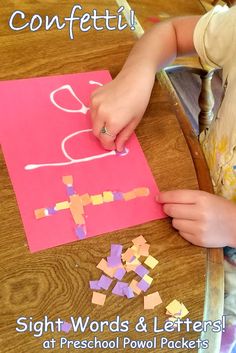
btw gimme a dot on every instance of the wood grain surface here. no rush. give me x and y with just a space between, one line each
55 282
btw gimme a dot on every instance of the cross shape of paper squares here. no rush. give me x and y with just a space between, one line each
48 144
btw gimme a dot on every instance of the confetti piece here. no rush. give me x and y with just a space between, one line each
129 195
98 298
96 199
104 267
40 213
177 309
104 282
77 210
141 271
81 231
128 292
119 274
66 327
151 262
85 198
62 206
116 250
118 196
134 287
70 190
135 249
108 196
51 210
67 180
139 192
143 285
184 311
152 300
94 285
148 279
144 250
174 307
128 255
131 266
139 240
113 261
119 288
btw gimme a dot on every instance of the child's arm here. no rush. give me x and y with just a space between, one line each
120 104
201 218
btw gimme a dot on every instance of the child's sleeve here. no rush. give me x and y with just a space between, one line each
214 36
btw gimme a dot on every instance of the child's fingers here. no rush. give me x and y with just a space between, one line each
181 211
106 138
124 135
183 225
178 196
189 237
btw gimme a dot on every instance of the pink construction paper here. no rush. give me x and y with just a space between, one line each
31 131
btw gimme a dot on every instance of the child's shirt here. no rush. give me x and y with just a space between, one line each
215 42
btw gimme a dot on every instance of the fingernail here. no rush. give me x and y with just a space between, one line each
120 148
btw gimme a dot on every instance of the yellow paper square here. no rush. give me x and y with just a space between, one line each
184 311
108 196
148 279
151 261
174 307
62 206
96 199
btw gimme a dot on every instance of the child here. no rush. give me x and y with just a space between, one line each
117 108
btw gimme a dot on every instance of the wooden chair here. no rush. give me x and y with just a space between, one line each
206 99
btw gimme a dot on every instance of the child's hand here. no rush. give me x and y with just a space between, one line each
201 218
119 106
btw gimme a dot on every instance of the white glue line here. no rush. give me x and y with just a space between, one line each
70 159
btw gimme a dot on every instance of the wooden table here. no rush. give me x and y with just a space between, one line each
55 282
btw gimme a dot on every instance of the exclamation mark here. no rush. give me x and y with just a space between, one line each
223 323
132 20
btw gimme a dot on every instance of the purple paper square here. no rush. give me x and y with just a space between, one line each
118 196
80 232
118 290
51 210
143 285
128 292
104 282
119 274
66 327
70 190
116 250
114 261
122 284
141 271
94 285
